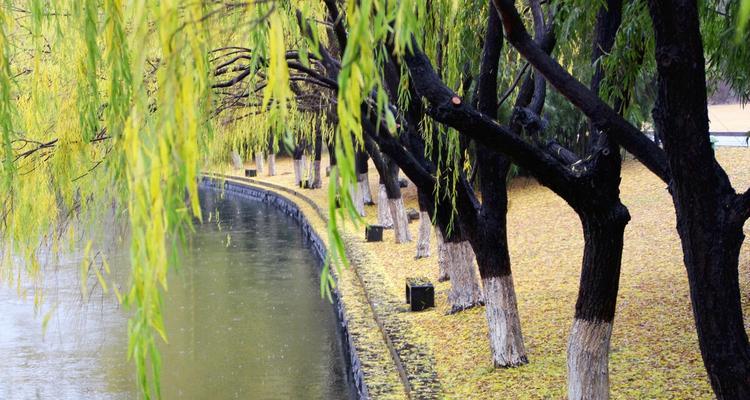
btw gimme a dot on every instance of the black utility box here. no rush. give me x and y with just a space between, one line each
251 173
420 293
374 233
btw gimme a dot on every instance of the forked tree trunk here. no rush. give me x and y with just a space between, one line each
259 162
423 238
465 290
384 213
400 220
442 257
588 345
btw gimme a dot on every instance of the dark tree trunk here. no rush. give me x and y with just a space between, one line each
297 160
331 155
317 180
588 346
486 224
704 200
608 21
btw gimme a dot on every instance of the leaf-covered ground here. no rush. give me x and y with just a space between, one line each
654 351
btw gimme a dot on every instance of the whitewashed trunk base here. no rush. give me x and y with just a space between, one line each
384 213
272 165
423 239
303 168
317 181
442 258
364 181
259 162
465 290
297 172
501 309
237 160
588 359
359 202
400 220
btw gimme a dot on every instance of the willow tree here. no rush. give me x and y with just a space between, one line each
112 102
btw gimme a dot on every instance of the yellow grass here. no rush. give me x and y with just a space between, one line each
654 351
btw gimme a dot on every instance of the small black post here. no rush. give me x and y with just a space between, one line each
420 293
374 233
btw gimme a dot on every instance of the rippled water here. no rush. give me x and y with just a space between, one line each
245 321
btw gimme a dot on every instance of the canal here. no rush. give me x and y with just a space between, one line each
243 313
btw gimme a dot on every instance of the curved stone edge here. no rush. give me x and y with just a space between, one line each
413 360
374 377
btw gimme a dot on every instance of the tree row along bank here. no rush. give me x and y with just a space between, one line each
655 351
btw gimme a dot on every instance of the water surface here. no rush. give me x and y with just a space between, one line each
244 317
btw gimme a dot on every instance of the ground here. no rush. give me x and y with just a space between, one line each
654 350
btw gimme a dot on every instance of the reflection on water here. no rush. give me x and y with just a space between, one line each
245 321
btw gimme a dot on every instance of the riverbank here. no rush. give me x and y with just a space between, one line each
654 346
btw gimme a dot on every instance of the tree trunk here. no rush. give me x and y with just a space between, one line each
588 345
425 227
362 176
317 181
465 290
384 213
259 162
708 219
501 310
297 172
298 156
237 160
400 220
359 201
271 164
365 187
423 239
442 257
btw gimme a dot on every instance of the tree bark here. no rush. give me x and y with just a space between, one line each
442 257
425 227
363 177
501 310
465 291
384 213
317 180
588 345
237 160
259 161
709 218
400 220
298 163
271 164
